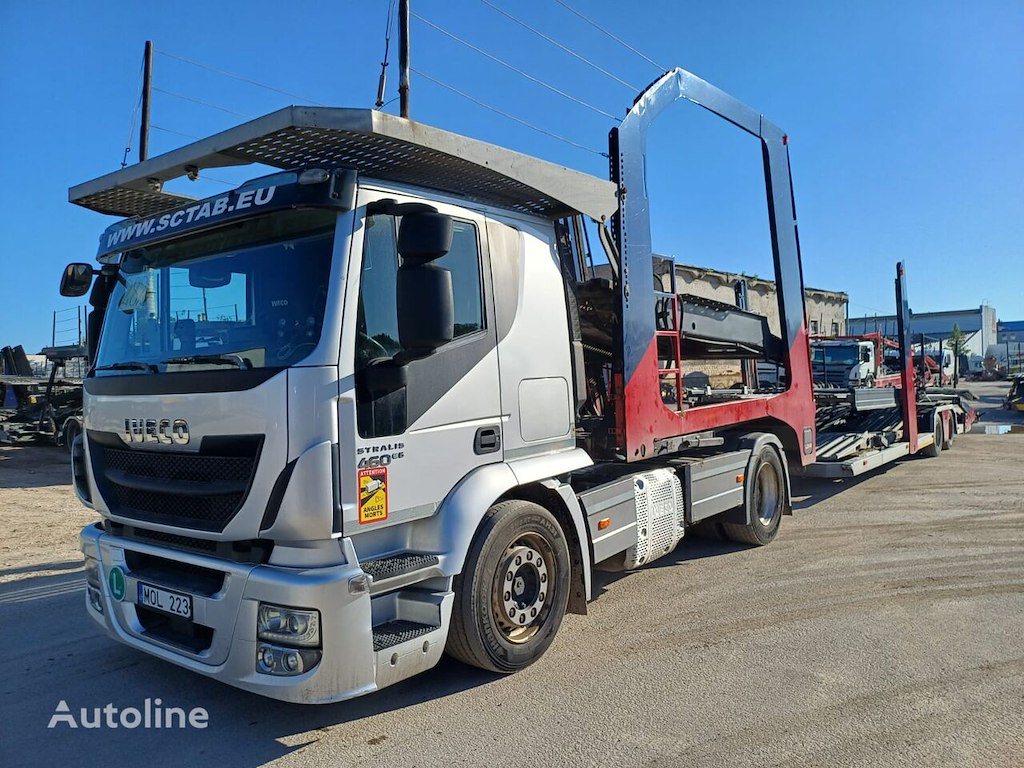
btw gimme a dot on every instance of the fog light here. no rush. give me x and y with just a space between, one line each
275 660
290 626
359 584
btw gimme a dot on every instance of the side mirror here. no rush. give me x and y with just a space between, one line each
76 279
426 307
424 236
208 275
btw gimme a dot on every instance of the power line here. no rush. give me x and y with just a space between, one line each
620 41
200 101
557 44
175 133
531 126
242 78
485 54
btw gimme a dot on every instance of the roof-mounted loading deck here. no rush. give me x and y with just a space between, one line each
378 144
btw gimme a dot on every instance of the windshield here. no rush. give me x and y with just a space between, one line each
250 295
836 355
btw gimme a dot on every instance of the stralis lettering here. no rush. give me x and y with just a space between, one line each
380 448
248 199
164 431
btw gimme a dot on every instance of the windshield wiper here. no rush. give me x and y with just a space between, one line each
226 359
128 365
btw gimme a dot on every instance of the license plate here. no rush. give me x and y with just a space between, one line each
164 600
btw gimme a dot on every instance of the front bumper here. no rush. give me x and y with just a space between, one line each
348 667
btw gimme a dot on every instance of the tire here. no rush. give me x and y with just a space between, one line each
933 450
947 442
766 498
519 546
71 429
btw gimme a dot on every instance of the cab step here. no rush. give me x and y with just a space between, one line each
398 631
400 570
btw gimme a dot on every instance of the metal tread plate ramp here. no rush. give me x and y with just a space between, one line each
377 144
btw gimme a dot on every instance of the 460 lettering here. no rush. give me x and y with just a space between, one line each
378 461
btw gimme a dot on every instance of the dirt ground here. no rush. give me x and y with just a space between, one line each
884 626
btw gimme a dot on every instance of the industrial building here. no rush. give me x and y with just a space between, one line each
1010 332
826 310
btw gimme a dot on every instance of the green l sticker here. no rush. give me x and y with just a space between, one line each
116 582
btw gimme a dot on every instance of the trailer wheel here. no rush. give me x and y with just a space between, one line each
512 593
947 441
69 432
766 499
933 450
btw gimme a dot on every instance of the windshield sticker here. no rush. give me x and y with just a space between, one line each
373 495
134 297
233 201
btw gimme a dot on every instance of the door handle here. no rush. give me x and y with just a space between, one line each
487 440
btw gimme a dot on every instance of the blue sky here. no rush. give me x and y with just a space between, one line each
906 121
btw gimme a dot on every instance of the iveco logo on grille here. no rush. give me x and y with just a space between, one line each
164 431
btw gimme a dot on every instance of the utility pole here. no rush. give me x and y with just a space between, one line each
403 56
147 83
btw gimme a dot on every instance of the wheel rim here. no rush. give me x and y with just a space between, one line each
521 595
766 493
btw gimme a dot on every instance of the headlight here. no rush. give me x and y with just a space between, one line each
290 626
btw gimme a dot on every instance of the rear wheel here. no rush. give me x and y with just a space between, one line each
512 594
766 498
933 450
947 440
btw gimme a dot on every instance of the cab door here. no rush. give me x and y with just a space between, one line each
402 451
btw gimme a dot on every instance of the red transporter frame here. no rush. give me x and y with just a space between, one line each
643 421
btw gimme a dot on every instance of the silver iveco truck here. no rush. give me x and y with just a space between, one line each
377 406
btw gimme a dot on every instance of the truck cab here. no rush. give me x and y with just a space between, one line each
843 362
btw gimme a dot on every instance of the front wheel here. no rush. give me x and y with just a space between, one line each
766 499
512 594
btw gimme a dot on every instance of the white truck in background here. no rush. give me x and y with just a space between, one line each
855 361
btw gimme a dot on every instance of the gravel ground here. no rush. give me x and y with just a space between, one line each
883 627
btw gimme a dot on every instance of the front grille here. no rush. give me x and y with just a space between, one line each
174 574
175 630
174 540
202 491
242 551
